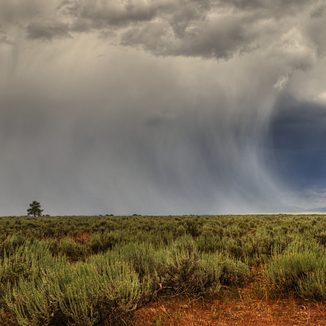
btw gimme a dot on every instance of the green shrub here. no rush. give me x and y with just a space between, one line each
103 288
71 249
186 271
143 258
301 268
234 272
207 243
314 285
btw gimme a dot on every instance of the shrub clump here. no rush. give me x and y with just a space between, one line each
300 269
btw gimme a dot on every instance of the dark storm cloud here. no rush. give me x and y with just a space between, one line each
167 27
221 38
277 8
298 134
47 30
218 29
103 14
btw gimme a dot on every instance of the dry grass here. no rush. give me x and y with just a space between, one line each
82 238
232 307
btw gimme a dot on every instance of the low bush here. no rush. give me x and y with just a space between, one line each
301 268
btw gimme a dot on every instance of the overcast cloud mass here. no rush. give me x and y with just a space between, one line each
162 106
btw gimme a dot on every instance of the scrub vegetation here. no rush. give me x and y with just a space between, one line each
82 270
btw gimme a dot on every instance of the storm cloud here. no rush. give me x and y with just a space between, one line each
162 107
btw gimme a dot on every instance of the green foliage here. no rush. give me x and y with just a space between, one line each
183 271
234 272
300 268
84 270
71 249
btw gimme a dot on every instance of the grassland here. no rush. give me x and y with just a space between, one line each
160 270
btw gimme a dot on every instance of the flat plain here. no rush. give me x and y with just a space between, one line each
163 270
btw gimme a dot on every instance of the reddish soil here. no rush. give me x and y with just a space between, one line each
243 309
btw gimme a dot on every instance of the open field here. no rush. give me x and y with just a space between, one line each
163 270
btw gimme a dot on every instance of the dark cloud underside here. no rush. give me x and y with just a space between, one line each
298 133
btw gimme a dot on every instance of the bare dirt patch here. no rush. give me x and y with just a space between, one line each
233 309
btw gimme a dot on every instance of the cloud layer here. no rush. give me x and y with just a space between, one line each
161 106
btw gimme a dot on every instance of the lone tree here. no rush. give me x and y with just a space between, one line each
35 209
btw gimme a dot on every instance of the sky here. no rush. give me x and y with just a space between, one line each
162 106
